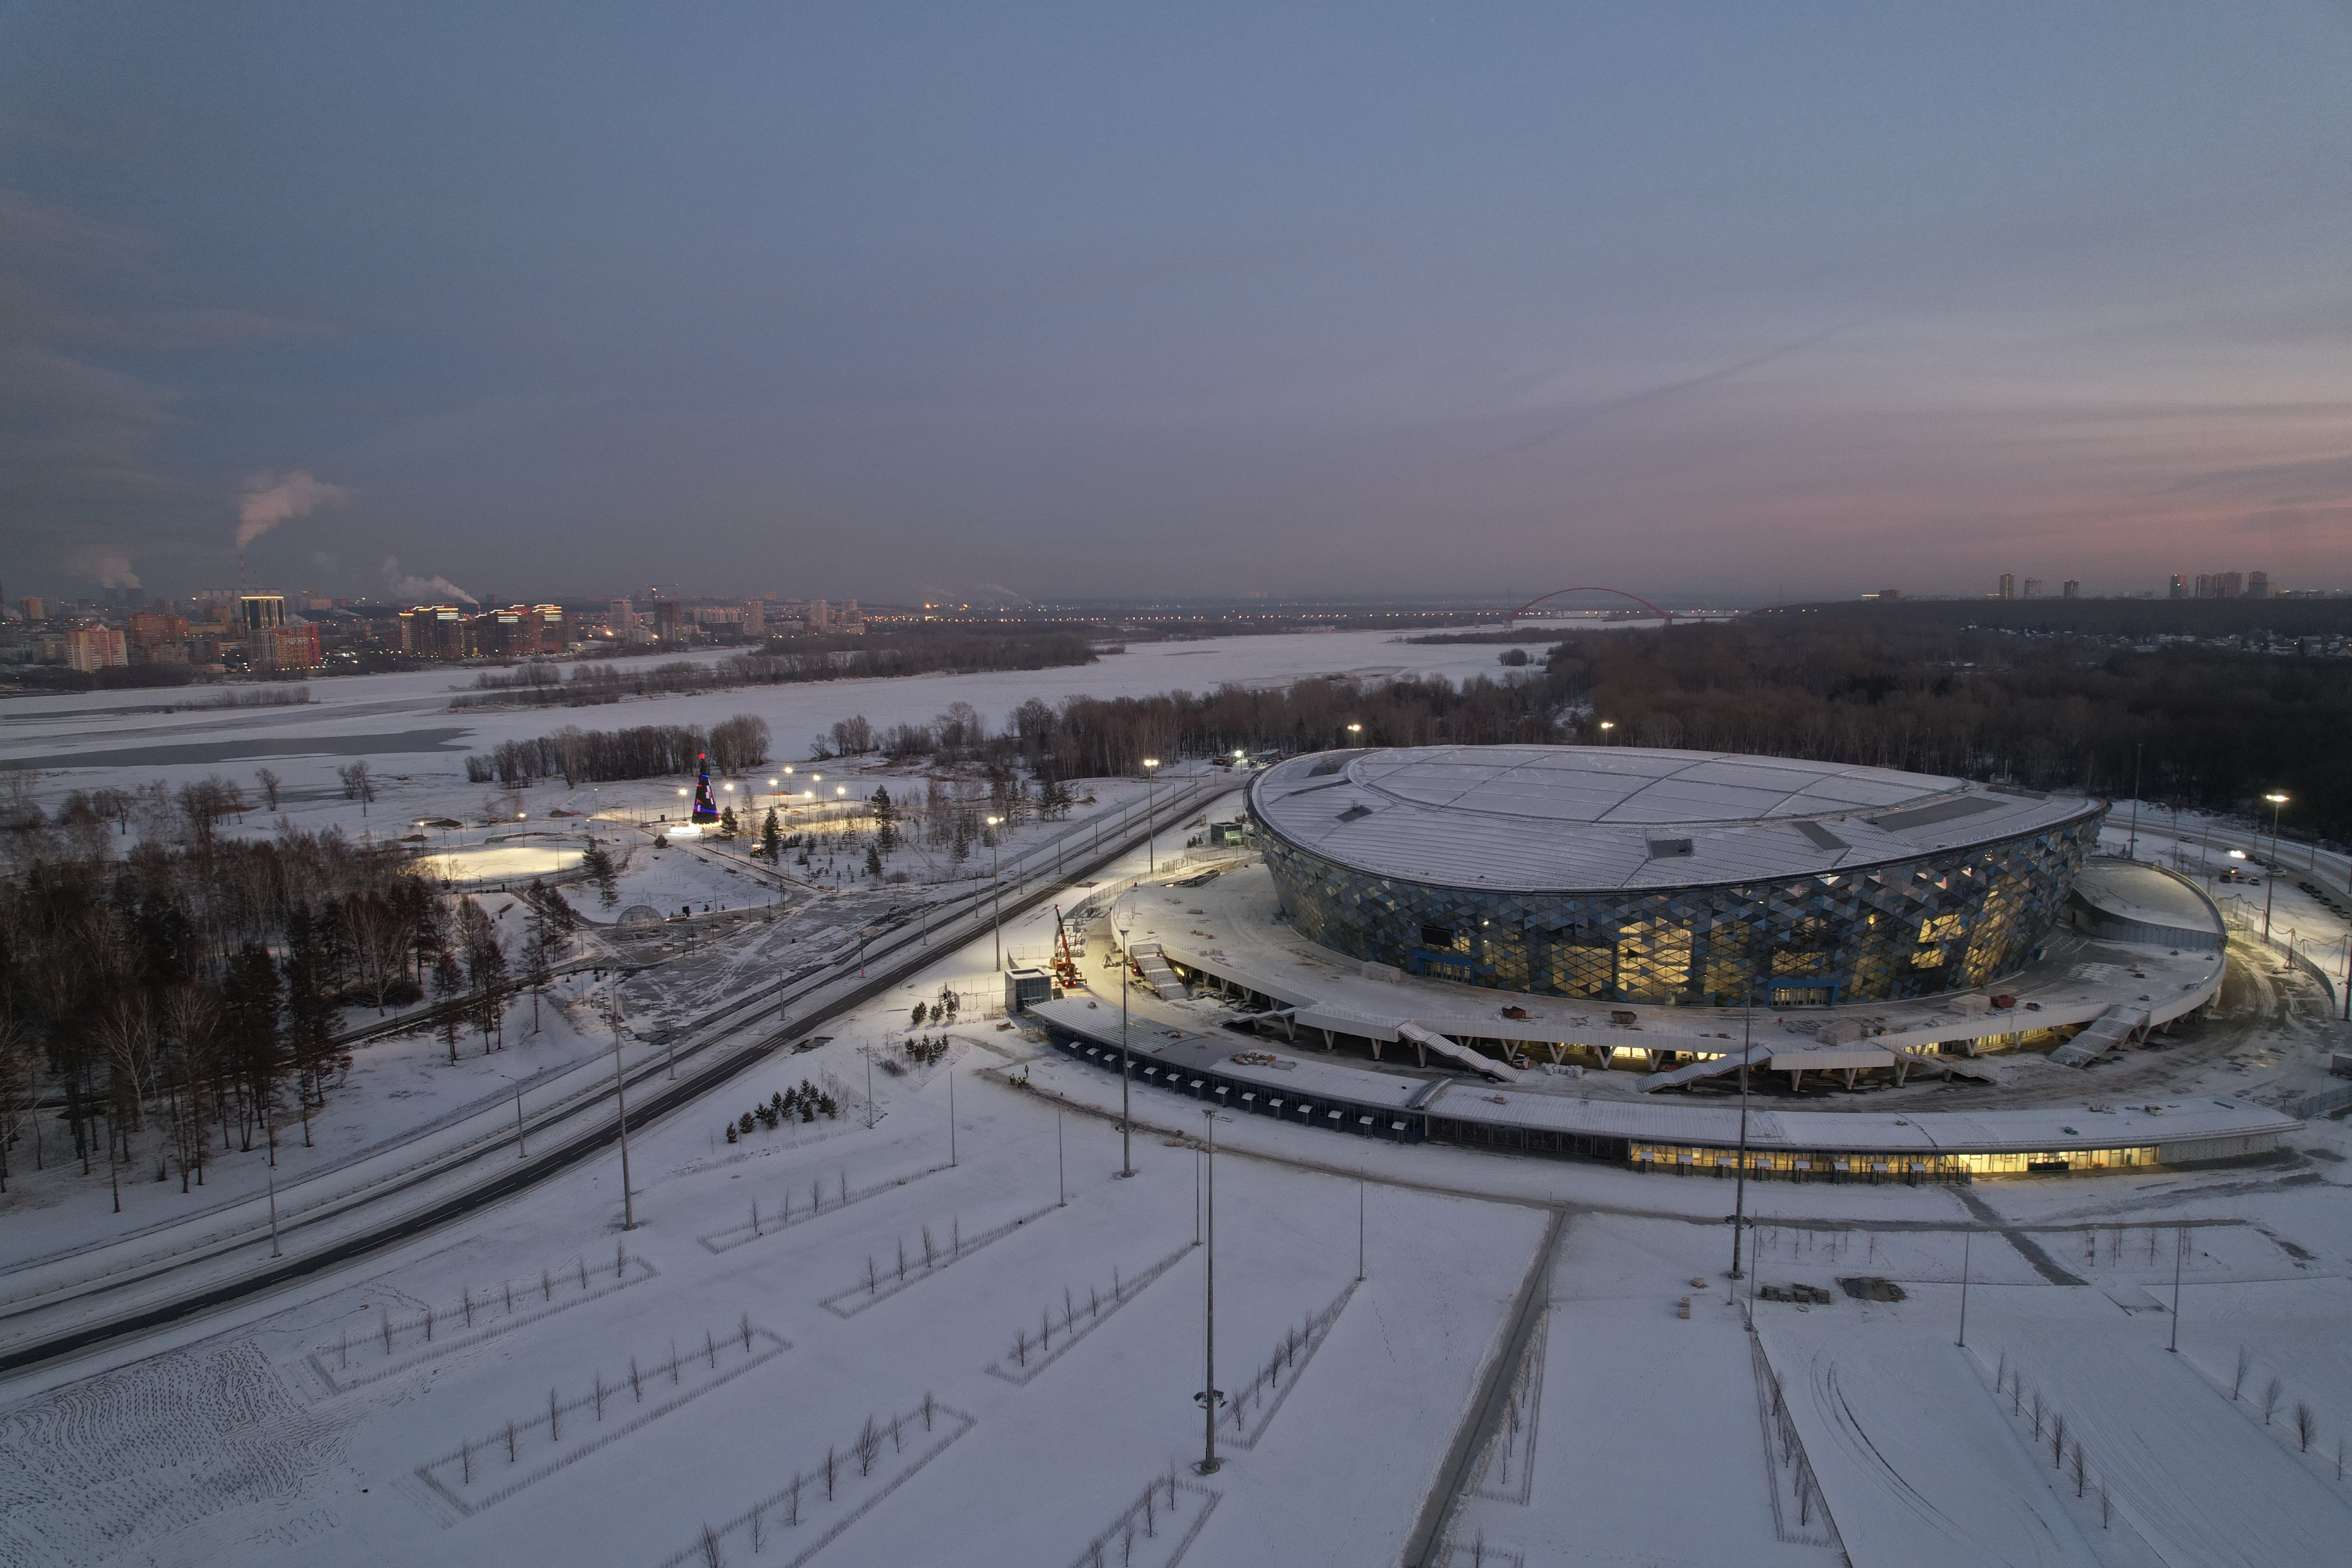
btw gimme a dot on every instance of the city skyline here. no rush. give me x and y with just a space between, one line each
1706 304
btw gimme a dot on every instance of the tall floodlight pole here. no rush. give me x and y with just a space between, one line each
1739 1202
1209 1397
1150 861
2133 852
2278 803
621 1099
270 1124
1061 1186
996 888
1360 1228
1966 1237
1126 1159
2179 1251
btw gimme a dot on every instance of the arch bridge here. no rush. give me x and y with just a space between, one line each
1666 615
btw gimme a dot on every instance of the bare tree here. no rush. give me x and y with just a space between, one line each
2246 1365
358 784
380 934
2306 1426
2273 1392
2057 1439
268 782
2081 1468
16 1087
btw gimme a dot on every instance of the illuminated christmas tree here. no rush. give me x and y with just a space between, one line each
706 806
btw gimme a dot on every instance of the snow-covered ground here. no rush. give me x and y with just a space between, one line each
415 745
1641 1436
1024 1326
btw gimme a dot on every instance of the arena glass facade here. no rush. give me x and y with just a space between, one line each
1944 921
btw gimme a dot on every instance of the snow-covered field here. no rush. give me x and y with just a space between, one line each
957 1335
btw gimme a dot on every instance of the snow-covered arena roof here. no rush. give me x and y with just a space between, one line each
1578 817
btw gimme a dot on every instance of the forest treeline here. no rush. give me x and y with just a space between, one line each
580 756
189 991
784 661
2212 728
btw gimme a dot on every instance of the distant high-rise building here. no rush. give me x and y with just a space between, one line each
2258 584
260 612
34 610
2008 586
1890 593
669 620
286 647
2070 589
148 630
2179 586
819 618
2033 587
755 619
433 631
2220 585
92 649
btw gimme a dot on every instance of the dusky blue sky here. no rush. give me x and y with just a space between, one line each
1735 299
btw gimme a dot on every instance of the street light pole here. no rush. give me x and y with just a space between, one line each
2179 1252
1151 862
1209 1397
1739 1202
621 1099
996 888
1966 1237
2270 880
269 1124
1126 1159
2132 853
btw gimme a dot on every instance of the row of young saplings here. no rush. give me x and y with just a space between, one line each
816 1204
1044 1341
1801 1479
2302 1420
511 1439
864 1452
1159 1497
501 1297
934 1257
1288 1353
2050 1425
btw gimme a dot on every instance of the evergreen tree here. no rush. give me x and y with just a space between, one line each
309 1010
599 864
538 951
727 822
252 1004
771 838
874 861
486 974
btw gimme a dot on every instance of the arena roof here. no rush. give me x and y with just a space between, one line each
1606 818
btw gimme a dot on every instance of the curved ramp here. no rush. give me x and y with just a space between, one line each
1460 1055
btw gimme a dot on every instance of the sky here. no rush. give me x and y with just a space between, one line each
1084 301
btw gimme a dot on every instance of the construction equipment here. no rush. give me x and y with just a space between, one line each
1065 965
